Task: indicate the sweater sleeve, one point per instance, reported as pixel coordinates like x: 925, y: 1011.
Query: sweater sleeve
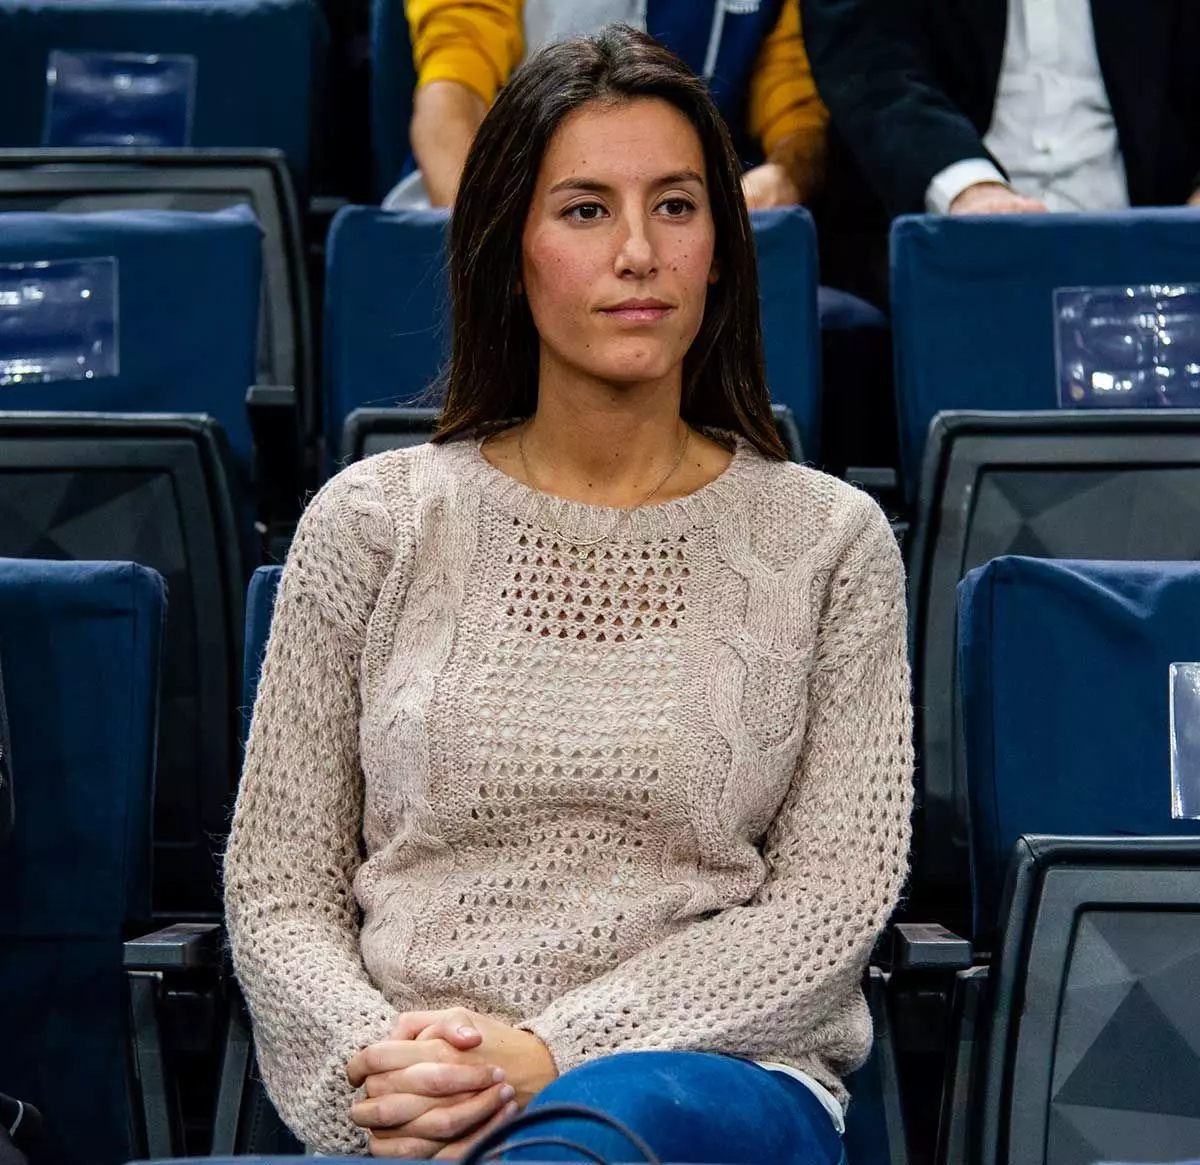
x: 294, y: 846
x: 756, y: 980
x: 477, y: 44
x: 785, y: 113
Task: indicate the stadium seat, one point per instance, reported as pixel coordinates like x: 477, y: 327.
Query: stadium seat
x: 80, y: 181
x: 1063, y: 673
x: 1091, y: 485
x: 973, y: 303
x: 387, y: 313
x: 151, y: 490
x: 393, y: 81
x: 173, y: 315
x: 369, y: 431
x: 6, y: 771
x: 81, y: 645
x: 254, y: 65
x: 1087, y: 1034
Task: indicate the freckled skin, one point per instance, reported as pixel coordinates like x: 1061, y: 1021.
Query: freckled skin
x: 632, y: 236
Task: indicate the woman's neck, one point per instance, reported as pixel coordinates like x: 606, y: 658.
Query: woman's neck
x: 602, y: 444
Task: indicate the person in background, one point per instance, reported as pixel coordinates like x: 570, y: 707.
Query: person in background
x: 750, y: 52
x: 996, y: 107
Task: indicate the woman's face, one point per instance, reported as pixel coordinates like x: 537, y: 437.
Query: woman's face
x: 618, y: 245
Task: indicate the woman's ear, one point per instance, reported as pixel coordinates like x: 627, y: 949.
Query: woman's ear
x: 714, y: 273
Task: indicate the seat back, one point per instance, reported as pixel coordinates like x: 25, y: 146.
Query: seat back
x: 183, y: 320
x: 1086, y: 485
x: 973, y: 303
x: 387, y: 313
x: 81, y: 645
x: 393, y: 81
x: 1063, y: 671
x: 260, y: 604
x: 254, y: 80
x: 85, y: 181
x: 6, y: 768
x: 155, y: 491
x: 1093, y: 1052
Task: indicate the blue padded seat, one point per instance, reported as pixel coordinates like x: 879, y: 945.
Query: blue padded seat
x: 255, y: 76
x: 81, y: 645
x: 387, y: 315
x: 6, y: 771
x: 188, y: 291
x: 1063, y: 670
x: 260, y: 605
x: 972, y: 303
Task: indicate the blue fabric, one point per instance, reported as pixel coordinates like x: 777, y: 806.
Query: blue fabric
x: 6, y: 770
x: 387, y: 315
x: 188, y: 304
x: 81, y: 647
x: 254, y: 60
x: 1063, y: 669
x: 687, y: 1106
x: 973, y: 303
x: 260, y: 604
x: 687, y: 28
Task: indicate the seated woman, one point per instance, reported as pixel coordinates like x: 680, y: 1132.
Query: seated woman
x: 580, y: 768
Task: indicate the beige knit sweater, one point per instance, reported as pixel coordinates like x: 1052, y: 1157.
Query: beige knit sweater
x: 651, y: 793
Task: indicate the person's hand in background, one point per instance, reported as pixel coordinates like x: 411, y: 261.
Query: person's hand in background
x: 995, y: 198
x: 767, y: 186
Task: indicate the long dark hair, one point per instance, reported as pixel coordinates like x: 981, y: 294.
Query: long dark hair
x: 493, y: 373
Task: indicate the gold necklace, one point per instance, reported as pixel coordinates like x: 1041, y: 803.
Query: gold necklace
x: 623, y: 510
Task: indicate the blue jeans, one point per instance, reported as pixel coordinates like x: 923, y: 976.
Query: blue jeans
x: 688, y: 1106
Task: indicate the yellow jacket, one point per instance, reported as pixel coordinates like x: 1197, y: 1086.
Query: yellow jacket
x: 478, y: 43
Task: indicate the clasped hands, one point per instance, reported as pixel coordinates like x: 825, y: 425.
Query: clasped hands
x: 442, y: 1080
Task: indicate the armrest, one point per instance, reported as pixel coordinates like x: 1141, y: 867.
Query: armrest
x: 928, y: 946
x: 185, y: 946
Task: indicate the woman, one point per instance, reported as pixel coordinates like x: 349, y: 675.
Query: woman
x: 585, y: 729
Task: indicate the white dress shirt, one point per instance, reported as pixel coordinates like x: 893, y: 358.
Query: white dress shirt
x: 1052, y: 126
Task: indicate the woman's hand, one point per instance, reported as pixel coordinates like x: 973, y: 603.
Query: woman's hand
x: 441, y: 1082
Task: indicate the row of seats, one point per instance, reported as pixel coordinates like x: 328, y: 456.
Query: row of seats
x: 961, y: 341
x: 229, y: 75
x: 1076, y: 1041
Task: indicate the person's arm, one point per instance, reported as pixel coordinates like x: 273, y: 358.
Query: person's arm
x: 757, y: 980
x: 294, y: 847
x: 787, y: 118
x: 870, y: 59
x: 463, y: 53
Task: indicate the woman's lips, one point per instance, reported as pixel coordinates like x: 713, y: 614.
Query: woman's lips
x: 637, y: 315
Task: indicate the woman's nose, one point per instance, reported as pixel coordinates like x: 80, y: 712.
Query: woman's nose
x: 635, y: 256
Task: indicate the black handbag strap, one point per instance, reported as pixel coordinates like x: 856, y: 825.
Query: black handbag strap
x: 490, y: 1147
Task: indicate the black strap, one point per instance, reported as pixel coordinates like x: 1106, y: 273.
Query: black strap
x: 496, y: 1142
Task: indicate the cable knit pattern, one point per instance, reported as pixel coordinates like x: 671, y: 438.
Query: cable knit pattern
x: 651, y: 793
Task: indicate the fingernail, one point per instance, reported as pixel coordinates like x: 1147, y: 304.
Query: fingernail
x: 467, y: 1033
x: 511, y: 1110
x: 507, y: 1092
x: 498, y: 1074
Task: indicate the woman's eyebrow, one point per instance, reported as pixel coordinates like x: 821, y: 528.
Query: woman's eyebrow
x: 595, y: 186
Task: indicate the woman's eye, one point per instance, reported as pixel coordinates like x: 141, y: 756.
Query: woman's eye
x: 676, y: 207
x: 585, y: 212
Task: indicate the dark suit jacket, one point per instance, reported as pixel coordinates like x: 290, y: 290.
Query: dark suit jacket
x: 910, y: 85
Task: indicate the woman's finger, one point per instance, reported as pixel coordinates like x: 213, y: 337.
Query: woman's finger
x: 410, y: 1147
x: 391, y: 1112
x: 451, y: 1121
x: 391, y: 1055
x: 456, y: 1149
x: 456, y: 1028
x: 435, y: 1079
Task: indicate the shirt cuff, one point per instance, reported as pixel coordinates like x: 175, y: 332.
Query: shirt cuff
x: 953, y: 180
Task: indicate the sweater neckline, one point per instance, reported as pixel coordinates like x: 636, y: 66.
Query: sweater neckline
x: 582, y: 520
